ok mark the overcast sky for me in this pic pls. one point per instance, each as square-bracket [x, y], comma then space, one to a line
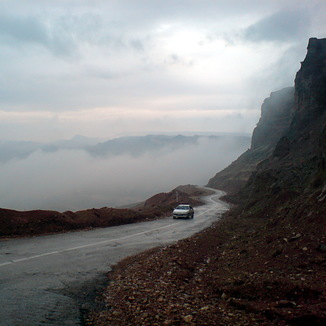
[116, 67]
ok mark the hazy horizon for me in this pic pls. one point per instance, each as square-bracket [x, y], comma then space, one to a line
[68, 178]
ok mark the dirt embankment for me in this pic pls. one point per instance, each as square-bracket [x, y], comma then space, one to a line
[37, 222]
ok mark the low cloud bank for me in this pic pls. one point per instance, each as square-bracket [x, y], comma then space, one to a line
[73, 179]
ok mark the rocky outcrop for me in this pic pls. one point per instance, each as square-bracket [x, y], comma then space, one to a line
[276, 114]
[289, 137]
[296, 167]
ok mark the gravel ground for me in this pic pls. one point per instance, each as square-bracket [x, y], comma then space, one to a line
[240, 271]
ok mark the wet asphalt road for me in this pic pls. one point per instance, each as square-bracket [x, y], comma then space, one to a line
[49, 280]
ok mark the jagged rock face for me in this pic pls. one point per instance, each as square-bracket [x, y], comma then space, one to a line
[297, 165]
[310, 99]
[305, 138]
[276, 113]
[288, 152]
[310, 81]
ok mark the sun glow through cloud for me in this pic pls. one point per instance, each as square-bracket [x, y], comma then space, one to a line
[62, 61]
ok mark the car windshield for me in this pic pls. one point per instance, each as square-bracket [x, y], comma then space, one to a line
[183, 207]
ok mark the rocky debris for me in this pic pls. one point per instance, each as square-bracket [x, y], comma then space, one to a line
[228, 274]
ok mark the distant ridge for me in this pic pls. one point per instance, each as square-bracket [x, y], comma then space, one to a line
[138, 145]
[133, 145]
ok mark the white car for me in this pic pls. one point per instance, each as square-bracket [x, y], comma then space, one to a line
[183, 211]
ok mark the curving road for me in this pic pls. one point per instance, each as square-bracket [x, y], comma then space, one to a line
[49, 280]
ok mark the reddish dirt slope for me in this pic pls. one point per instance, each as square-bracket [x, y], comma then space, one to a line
[36, 222]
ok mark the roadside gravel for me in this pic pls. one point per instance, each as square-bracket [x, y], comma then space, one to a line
[251, 271]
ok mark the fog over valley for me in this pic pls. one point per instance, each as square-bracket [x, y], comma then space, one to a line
[111, 69]
[80, 173]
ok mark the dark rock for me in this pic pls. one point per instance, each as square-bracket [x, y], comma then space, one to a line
[277, 253]
[276, 114]
[286, 304]
[322, 248]
[296, 163]
[297, 236]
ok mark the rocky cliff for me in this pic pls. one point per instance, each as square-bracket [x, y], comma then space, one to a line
[296, 167]
[276, 114]
[289, 137]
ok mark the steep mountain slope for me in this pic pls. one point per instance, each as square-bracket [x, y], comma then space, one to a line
[263, 263]
[297, 164]
[276, 114]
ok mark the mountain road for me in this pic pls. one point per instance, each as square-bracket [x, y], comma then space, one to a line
[50, 280]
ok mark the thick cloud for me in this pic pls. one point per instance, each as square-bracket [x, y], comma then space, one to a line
[23, 32]
[283, 26]
[67, 62]
[22, 29]
[73, 180]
